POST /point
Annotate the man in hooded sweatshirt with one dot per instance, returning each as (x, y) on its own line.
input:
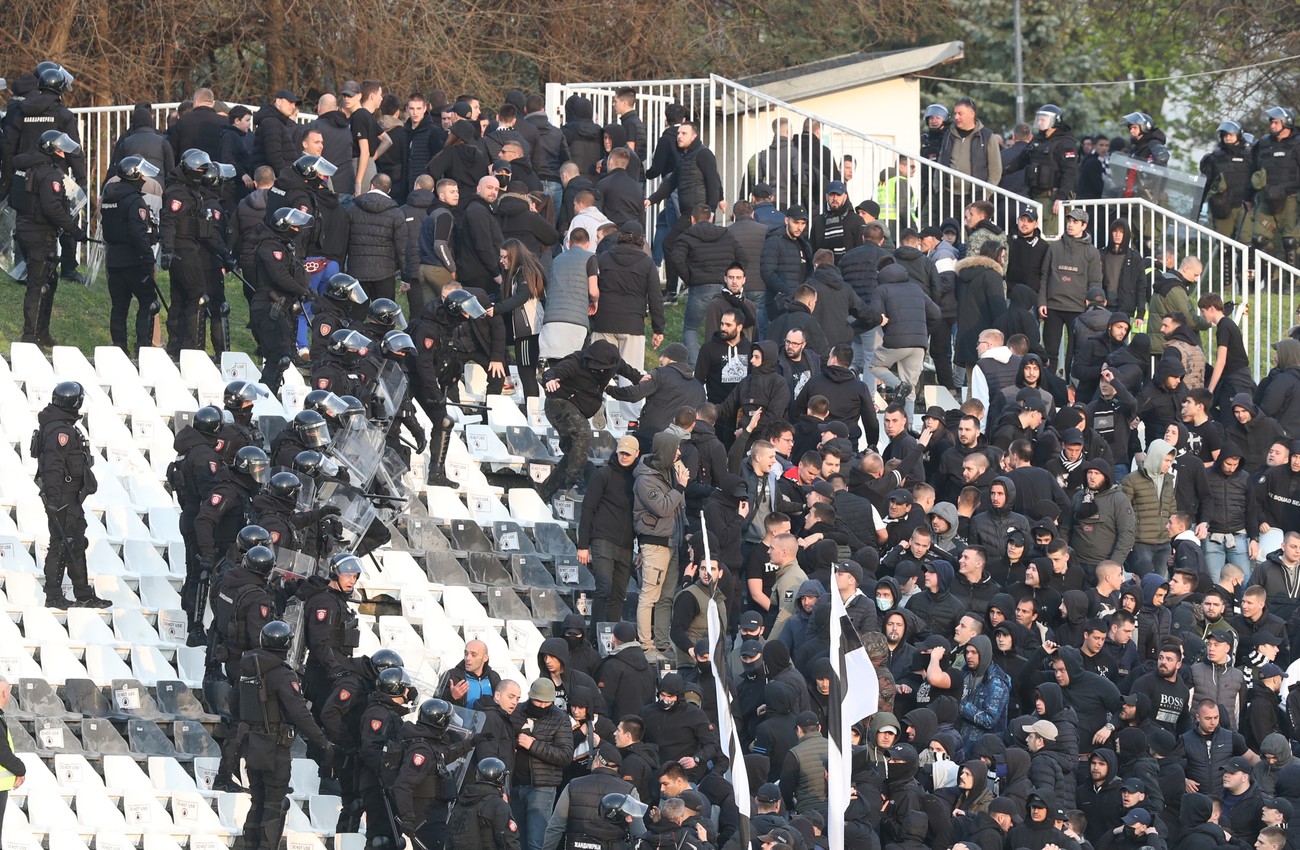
(986, 693)
(1098, 794)
(850, 399)
(1100, 525)
(989, 527)
(1150, 491)
(1279, 393)
(763, 389)
(625, 677)
(1071, 268)
(658, 516)
(681, 731)
(1123, 271)
(668, 389)
(937, 607)
(553, 660)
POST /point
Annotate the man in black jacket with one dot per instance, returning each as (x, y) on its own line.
(273, 143)
(379, 251)
(199, 128)
(478, 240)
(670, 388)
(605, 533)
(625, 677)
(702, 254)
(682, 731)
(424, 135)
(622, 196)
(550, 151)
(850, 400)
(545, 749)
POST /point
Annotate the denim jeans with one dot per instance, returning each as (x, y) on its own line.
(1217, 554)
(864, 350)
(759, 300)
(697, 301)
(664, 222)
(556, 191)
(1149, 558)
(532, 808)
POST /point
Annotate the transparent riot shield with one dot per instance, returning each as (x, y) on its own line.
(388, 478)
(1179, 192)
(7, 219)
(390, 389)
(291, 569)
(360, 451)
(356, 511)
(465, 724)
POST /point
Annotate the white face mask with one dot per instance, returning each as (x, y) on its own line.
(883, 603)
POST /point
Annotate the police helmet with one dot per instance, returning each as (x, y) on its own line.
(1281, 113)
(1053, 113)
(211, 174)
(492, 771)
(313, 464)
(345, 287)
(936, 110)
(52, 76)
(344, 341)
(393, 682)
(1248, 139)
(385, 659)
(345, 564)
(325, 403)
(615, 807)
(314, 167)
(289, 218)
(1141, 120)
(53, 141)
(397, 342)
(253, 462)
(355, 407)
(276, 635)
(311, 428)
(386, 313)
(68, 395)
(1230, 128)
(464, 303)
(208, 420)
(193, 164)
(285, 485)
(137, 169)
(241, 394)
(435, 713)
(250, 537)
(260, 560)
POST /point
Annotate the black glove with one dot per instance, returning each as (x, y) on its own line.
(231, 262)
(330, 510)
(82, 236)
(421, 443)
(327, 754)
(206, 565)
(165, 261)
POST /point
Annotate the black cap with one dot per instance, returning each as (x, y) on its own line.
(751, 649)
(1034, 403)
(750, 620)
(769, 792)
(852, 568)
(1134, 785)
(1162, 742)
(761, 190)
(796, 212)
(822, 487)
(837, 428)
(632, 228)
(1236, 764)
(285, 94)
(902, 496)
(609, 754)
(1003, 806)
(1029, 213)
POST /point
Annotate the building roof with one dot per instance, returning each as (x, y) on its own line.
(851, 70)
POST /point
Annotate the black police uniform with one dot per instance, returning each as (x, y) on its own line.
(272, 707)
(293, 190)
(39, 197)
(214, 310)
(129, 234)
(184, 230)
(280, 281)
(585, 828)
(379, 742)
(342, 374)
(406, 416)
(227, 509)
(239, 433)
(194, 475)
(1052, 164)
(341, 720)
(1275, 205)
(481, 820)
(420, 793)
(332, 635)
(291, 528)
(63, 473)
(1227, 188)
(328, 316)
(242, 605)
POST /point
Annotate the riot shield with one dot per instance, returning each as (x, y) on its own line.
(1179, 192)
(390, 388)
(388, 477)
(465, 724)
(293, 615)
(307, 495)
(356, 511)
(7, 219)
(360, 451)
(291, 568)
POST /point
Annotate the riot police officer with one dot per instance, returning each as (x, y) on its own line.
(1227, 183)
(1277, 179)
(39, 197)
(622, 810)
(308, 430)
(423, 789)
(332, 309)
(378, 740)
(63, 474)
(193, 475)
(213, 307)
(229, 507)
(332, 631)
(280, 282)
(577, 813)
(1052, 160)
(185, 231)
(304, 185)
(398, 347)
(276, 509)
(452, 332)
(129, 234)
(481, 819)
(341, 720)
(273, 712)
(238, 399)
(382, 315)
(241, 607)
(1147, 144)
(341, 369)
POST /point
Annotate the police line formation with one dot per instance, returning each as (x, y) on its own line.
(1071, 559)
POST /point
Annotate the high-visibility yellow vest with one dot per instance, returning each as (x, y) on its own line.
(7, 778)
(887, 197)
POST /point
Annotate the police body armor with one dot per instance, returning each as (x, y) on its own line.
(586, 829)
(233, 638)
(258, 707)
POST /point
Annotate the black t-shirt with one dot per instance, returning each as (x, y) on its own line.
(1205, 439)
(758, 567)
(1227, 334)
(364, 126)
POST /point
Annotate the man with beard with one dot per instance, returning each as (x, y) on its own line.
(1170, 696)
(723, 361)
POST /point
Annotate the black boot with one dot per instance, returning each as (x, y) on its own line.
(439, 441)
(43, 318)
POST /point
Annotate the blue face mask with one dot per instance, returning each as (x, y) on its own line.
(884, 603)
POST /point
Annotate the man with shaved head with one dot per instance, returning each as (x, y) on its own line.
(471, 679)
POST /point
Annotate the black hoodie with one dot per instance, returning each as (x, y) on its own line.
(582, 134)
(569, 677)
(763, 387)
(850, 401)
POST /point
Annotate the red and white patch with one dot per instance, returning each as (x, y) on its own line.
(297, 687)
(216, 499)
(322, 383)
(176, 205)
(216, 214)
(428, 342)
(56, 186)
(303, 207)
(266, 612)
(313, 266)
(513, 826)
(417, 759)
(275, 537)
(345, 694)
(221, 445)
(321, 614)
(279, 255)
(63, 439)
(144, 214)
(212, 466)
(376, 725)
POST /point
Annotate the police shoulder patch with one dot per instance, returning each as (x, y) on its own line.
(216, 499)
(221, 444)
(325, 329)
(212, 466)
(56, 186)
(266, 612)
(275, 537)
(345, 694)
(216, 214)
(144, 214)
(63, 439)
(176, 204)
(321, 614)
(417, 759)
(513, 826)
(429, 341)
(376, 725)
(322, 383)
(279, 255)
(297, 687)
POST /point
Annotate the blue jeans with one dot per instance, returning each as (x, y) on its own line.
(1149, 557)
(864, 350)
(697, 300)
(1217, 554)
(556, 191)
(759, 300)
(531, 807)
(664, 222)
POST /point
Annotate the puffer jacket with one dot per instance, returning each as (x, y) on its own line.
(859, 268)
(1072, 267)
(273, 143)
(543, 764)
(704, 251)
(939, 611)
(1170, 295)
(1229, 494)
(983, 233)
(784, 264)
(1151, 495)
(629, 284)
(378, 247)
(1049, 771)
(670, 388)
(985, 696)
(945, 259)
(1057, 710)
(1106, 533)
(910, 310)
(1278, 394)
(921, 269)
(981, 300)
(657, 502)
(836, 304)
